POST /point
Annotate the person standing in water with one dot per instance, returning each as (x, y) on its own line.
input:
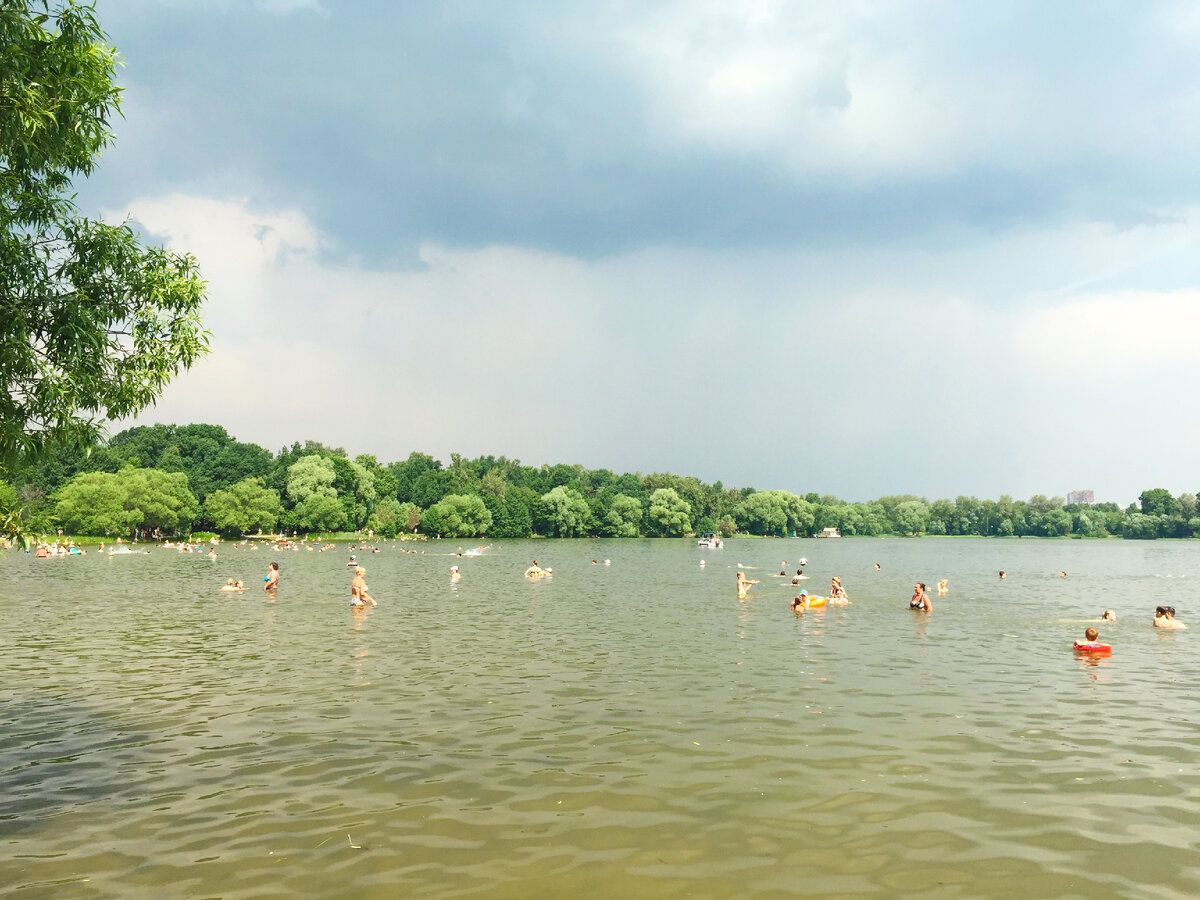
(358, 589)
(920, 599)
(271, 584)
(743, 584)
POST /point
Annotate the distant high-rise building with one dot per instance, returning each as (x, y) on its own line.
(1088, 497)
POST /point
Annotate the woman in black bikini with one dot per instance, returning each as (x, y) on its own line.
(920, 599)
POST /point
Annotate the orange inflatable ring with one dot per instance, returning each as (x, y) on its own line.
(1092, 648)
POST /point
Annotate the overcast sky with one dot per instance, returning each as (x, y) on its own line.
(859, 248)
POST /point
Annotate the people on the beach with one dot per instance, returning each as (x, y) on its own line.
(358, 589)
(1164, 617)
(743, 584)
(272, 578)
(920, 599)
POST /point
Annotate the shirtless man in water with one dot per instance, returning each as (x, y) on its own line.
(535, 571)
(1164, 617)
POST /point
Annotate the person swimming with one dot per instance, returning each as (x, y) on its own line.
(455, 575)
(1109, 616)
(944, 586)
(1164, 617)
(535, 571)
(798, 577)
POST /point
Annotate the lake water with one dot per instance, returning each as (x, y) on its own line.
(626, 731)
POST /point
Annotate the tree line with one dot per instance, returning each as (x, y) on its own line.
(170, 479)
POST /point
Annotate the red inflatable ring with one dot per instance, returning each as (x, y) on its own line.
(1092, 648)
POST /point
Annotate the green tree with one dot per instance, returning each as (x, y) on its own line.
(311, 475)
(669, 514)
(457, 515)
(912, 516)
(92, 324)
(624, 517)
(132, 499)
(162, 500)
(11, 519)
(1141, 527)
(385, 517)
(564, 512)
(1159, 502)
(319, 512)
(94, 503)
(511, 516)
(310, 486)
(244, 507)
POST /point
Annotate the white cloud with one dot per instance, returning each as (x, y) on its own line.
(1143, 333)
(858, 373)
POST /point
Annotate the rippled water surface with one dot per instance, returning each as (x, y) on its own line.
(623, 731)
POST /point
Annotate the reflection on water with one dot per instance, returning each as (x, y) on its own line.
(623, 731)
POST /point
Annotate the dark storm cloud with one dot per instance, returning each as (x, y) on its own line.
(472, 124)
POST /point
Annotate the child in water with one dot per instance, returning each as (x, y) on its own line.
(1091, 637)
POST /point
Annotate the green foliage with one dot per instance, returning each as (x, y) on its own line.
(309, 476)
(624, 517)
(511, 514)
(912, 516)
(92, 324)
(1159, 502)
(245, 507)
(563, 512)
(321, 490)
(457, 515)
(147, 499)
(385, 518)
(209, 456)
(777, 512)
(319, 512)
(669, 514)
(12, 521)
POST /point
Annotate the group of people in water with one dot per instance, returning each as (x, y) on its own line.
(1164, 616)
